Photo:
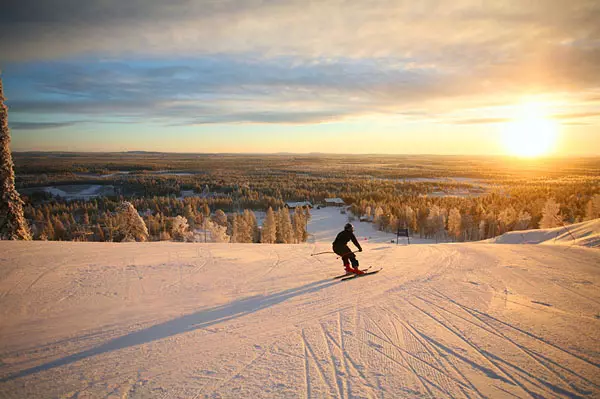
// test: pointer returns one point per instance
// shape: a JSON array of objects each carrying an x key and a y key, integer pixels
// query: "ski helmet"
[{"x": 349, "y": 227}]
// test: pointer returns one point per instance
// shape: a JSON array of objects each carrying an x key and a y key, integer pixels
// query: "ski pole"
[{"x": 322, "y": 253}]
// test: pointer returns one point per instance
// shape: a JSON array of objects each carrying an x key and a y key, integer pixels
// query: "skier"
[{"x": 340, "y": 247}]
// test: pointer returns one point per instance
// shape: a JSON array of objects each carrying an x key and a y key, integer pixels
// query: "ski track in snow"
[{"x": 172, "y": 320}]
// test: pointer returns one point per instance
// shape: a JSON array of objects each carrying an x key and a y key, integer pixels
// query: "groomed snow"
[
  {"x": 183, "y": 320},
  {"x": 585, "y": 234}
]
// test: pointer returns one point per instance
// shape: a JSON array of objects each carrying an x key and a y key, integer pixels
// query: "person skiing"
[{"x": 340, "y": 247}]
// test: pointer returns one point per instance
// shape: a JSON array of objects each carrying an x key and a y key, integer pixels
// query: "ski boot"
[{"x": 356, "y": 270}]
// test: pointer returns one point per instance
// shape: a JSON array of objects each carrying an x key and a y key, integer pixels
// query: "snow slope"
[
  {"x": 181, "y": 320},
  {"x": 585, "y": 234}
]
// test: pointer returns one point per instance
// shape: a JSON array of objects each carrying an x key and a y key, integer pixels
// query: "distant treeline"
[{"x": 488, "y": 196}]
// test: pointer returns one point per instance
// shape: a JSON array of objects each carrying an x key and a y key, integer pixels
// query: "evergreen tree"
[
  {"x": 299, "y": 225},
  {"x": 131, "y": 226},
  {"x": 251, "y": 225},
  {"x": 285, "y": 233},
  {"x": 269, "y": 228},
  {"x": 13, "y": 225}
]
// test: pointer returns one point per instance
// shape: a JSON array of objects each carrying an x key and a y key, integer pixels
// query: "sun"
[{"x": 530, "y": 133}]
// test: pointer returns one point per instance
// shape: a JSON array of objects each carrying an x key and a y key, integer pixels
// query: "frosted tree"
[
  {"x": 592, "y": 209},
  {"x": 269, "y": 228},
  {"x": 220, "y": 218},
  {"x": 411, "y": 218},
  {"x": 550, "y": 215},
  {"x": 507, "y": 219},
  {"x": 241, "y": 228},
  {"x": 252, "y": 225},
  {"x": 13, "y": 225},
  {"x": 285, "y": 233},
  {"x": 299, "y": 225},
  {"x": 455, "y": 224},
  {"x": 131, "y": 225},
  {"x": 217, "y": 232},
  {"x": 436, "y": 222},
  {"x": 180, "y": 231},
  {"x": 523, "y": 221}
]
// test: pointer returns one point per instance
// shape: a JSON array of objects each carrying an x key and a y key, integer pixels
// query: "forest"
[{"x": 202, "y": 197}]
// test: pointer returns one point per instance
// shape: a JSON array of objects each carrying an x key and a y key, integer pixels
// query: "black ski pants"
[{"x": 347, "y": 255}]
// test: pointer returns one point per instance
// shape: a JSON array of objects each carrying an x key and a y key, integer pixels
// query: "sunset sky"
[{"x": 435, "y": 77}]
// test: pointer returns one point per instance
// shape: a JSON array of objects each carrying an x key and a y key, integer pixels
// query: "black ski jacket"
[{"x": 343, "y": 238}]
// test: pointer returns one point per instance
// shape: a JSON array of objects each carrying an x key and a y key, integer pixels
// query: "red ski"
[
  {"x": 351, "y": 273},
  {"x": 362, "y": 275}
]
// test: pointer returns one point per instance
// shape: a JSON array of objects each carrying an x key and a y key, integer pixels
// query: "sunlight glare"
[{"x": 531, "y": 133}]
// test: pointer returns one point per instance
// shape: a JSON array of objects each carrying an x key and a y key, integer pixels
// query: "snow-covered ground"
[
  {"x": 585, "y": 234},
  {"x": 183, "y": 320}
]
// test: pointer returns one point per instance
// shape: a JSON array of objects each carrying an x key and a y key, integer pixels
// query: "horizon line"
[{"x": 141, "y": 152}]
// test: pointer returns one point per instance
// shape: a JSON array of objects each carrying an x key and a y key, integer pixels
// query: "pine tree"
[
  {"x": 269, "y": 228},
  {"x": 131, "y": 225},
  {"x": 251, "y": 225},
  {"x": 285, "y": 233},
  {"x": 299, "y": 225},
  {"x": 13, "y": 225}
]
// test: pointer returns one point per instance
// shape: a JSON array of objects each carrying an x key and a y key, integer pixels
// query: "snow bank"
[{"x": 586, "y": 234}]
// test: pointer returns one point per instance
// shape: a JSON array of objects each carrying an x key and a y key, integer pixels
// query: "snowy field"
[{"x": 182, "y": 320}]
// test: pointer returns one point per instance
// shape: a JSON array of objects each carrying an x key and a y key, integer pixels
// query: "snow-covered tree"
[
  {"x": 436, "y": 222},
  {"x": 523, "y": 221},
  {"x": 285, "y": 234},
  {"x": 217, "y": 232},
  {"x": 13, "y": 225},
  {"x": 299, "y": 225},
  {"x": 455, "y": 224},
  {"x": 180, "y": 231},
  {"x": 592, "y": 209},
  {"x": 220, "y": 218},
  {"x": 550, "y": 215},
  {"x": 507, "y": 219},
  {"x": 131, "y": 226},
  {"x": 269, "y": 228},
  {"x": 252, "y": 225}
]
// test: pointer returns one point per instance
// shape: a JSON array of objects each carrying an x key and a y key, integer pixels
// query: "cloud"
[
  {"x": 289, "y": 61},
  {"x": 576, "y": 115},
  {"x": 478, "y": 121},
  {"x": 40, "y": 125}
]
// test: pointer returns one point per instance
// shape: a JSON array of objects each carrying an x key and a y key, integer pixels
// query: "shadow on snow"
[{"x": 191, "y": 322}]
